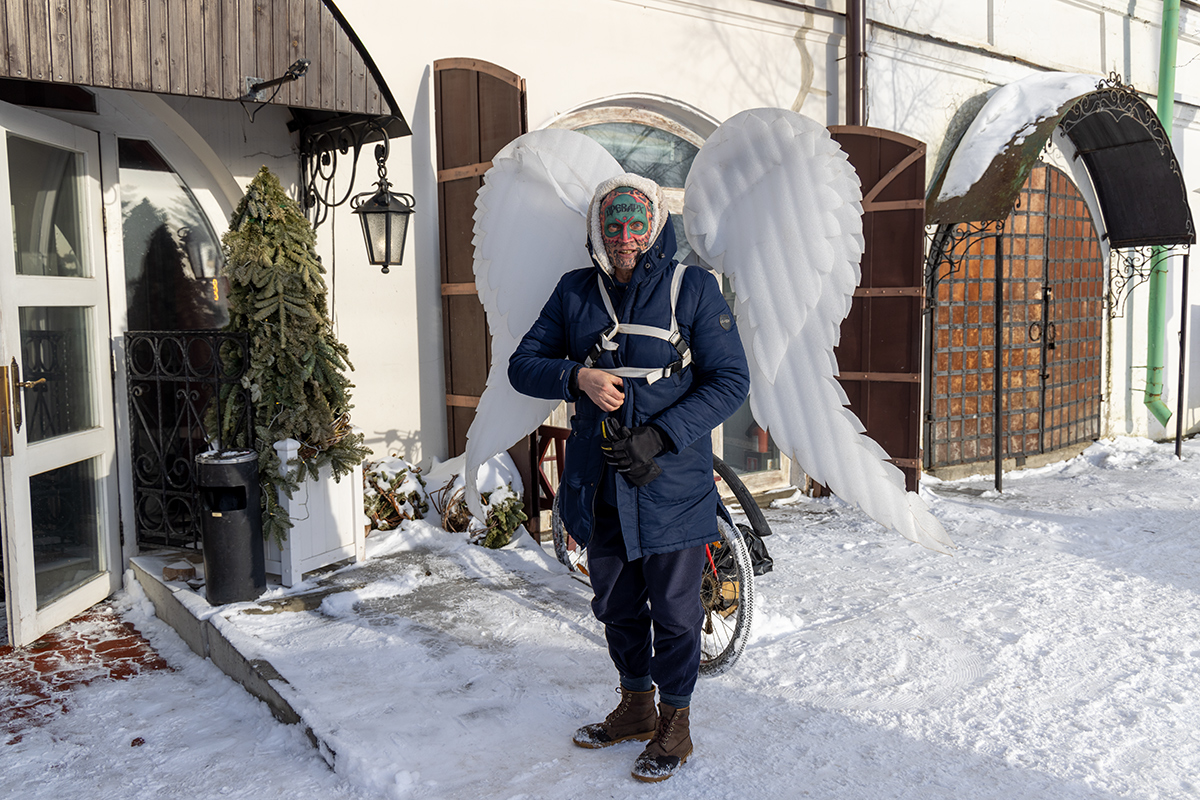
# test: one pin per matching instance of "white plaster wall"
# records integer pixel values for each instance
(928, 65)
(719, 57)
(243, 146)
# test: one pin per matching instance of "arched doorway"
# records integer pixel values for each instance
(1051, 333)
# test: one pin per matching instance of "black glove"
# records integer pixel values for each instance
(632, 452)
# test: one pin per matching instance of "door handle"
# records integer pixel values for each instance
(17, 384)
(6, 431)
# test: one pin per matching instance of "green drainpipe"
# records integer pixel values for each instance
(1156, 336)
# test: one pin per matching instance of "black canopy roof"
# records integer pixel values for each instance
(1128, 155)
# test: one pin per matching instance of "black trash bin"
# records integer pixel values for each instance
(234, 560)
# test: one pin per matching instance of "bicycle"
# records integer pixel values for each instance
(727, 589)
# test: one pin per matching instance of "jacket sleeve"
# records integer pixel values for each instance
(721, 378)
(539, 367)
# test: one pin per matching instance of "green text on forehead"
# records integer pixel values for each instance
(626, 202)
(625, 208)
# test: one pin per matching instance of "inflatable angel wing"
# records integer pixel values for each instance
(772, 202)
(530, 230)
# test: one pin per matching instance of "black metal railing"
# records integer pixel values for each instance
(175, 379)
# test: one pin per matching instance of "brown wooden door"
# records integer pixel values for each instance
(479, 108)
(879, 356)
(1051, 317)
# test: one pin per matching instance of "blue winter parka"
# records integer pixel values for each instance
(678, 509)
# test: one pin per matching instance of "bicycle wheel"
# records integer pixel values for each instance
(754, 514)
(727, 595)
(566, 549)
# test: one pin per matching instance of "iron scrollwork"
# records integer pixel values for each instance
(1120, 101)
(175, 379)
(1130, 268)
(947, 249)
(320, 151)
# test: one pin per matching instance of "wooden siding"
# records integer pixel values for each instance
(198, 48)
(479, 108)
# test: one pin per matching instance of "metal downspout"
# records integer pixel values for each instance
(856, 55)
(1156, 322)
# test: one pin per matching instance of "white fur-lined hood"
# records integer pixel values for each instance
(658, 212)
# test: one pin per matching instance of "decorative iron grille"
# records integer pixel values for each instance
(175, 379)
(1049, 330)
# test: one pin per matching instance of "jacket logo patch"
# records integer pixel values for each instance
(726, 321)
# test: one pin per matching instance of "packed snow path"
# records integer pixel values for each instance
(1054, 655)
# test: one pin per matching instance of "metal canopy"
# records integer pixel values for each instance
(1129, 158)
(1137, 178)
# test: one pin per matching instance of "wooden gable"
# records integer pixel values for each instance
(204, 48)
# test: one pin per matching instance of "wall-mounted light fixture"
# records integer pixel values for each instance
(384, 216)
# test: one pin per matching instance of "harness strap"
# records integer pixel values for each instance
(670, 335)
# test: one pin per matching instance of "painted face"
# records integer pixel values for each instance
(625, 226)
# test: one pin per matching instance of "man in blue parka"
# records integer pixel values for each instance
(649, 353)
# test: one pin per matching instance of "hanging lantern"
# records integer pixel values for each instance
(384, 216)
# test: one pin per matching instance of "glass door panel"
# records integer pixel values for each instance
(57, 481)
(65, 510)
(55, 347)
(44, 185)
(173, 259)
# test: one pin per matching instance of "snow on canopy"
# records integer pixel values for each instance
(1010, 114)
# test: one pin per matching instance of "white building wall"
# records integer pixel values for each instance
(719, 58)
(929, 62)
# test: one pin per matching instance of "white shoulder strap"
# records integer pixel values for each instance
(670, 335)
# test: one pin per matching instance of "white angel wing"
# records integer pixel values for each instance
(772, 202)
(530, 229)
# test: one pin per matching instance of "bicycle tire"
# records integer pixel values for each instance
(729, 602)
(725, 593)
(754, 514)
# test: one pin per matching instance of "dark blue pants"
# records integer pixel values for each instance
(650, 606)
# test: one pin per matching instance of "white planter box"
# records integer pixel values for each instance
(328, 523)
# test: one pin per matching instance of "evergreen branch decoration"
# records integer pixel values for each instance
(296, 376)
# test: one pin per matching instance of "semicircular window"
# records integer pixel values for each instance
(173, 260)
(643, 150)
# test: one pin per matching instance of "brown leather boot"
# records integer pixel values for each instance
(634, 718)
(669, 749)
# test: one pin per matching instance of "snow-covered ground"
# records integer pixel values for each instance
(1055, 655)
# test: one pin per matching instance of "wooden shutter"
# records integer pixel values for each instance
(879, 356)
(479, 107)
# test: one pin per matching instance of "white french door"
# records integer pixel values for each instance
(57, 464)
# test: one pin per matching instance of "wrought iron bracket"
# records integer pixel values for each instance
(321, 148)
(946, 249)
(1131, 267)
